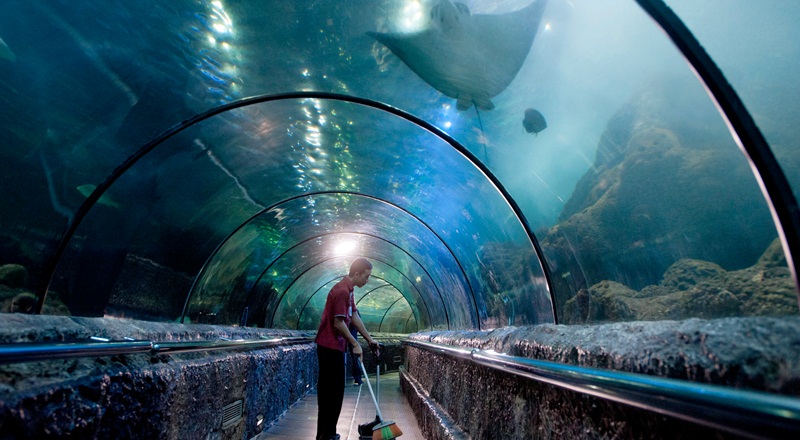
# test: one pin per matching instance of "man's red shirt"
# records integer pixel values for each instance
(339, 303)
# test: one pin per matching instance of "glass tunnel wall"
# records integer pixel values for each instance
(639, 198)
(330, 152)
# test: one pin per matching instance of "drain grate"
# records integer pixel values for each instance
(232, 413)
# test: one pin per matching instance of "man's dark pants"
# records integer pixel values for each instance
(330, 391)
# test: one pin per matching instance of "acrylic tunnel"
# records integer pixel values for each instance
(586, 167)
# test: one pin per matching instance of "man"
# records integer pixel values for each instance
(332, 339)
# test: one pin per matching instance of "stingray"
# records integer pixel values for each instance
(534, 121)
(471, 58)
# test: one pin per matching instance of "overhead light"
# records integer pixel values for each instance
(345, 247)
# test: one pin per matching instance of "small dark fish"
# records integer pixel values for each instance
(534, 121)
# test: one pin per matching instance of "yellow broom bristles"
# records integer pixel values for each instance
(386, 431)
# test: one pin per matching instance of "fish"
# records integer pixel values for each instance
(5, 52)
(534, 121)
(471, 58)
(105, 199)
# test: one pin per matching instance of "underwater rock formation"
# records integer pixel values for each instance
(13, 275)
(17, 297)
(663, 187)
(507, 300)
(14, 298)
(692, 288)
(139, 291)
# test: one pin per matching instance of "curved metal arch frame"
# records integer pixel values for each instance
(283, 295)
(353, 193)
(92, 199)
(372, 290)
(410, 315)
(770, 176)
(367, 294)
(387, 312)
(402, 297)
(302, 310)
(424, 303)
(272, 319)
(395, 245)
(282, 254)
(364, 296)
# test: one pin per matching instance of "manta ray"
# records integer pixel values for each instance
(470, 58)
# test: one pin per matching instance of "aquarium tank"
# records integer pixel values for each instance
(501, 163)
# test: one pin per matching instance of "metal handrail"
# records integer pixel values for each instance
(36, 351)
(746, 413)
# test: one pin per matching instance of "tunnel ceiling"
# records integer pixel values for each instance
(313, 176)
(500, 163)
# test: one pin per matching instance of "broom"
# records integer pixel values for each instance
(386, 429)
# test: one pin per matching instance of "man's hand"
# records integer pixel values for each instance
(357, 350)
(375, 347)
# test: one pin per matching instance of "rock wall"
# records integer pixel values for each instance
(482, 403)
(667, 183)
(692, 288)
(143, 396)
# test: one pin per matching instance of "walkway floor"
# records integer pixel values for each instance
(300, 422)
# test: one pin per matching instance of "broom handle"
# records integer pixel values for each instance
(374, 400)
(378, 380)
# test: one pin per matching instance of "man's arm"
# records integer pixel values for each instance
(341, 327)
(356, 320)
